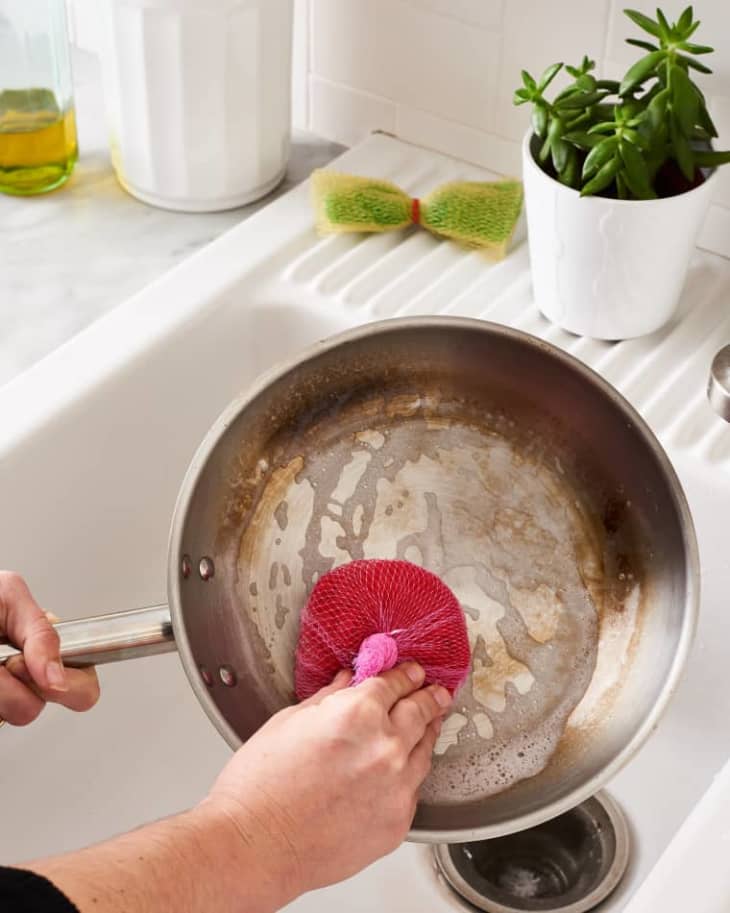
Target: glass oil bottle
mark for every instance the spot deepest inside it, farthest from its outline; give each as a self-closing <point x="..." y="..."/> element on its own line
<point x="37" y="120"/>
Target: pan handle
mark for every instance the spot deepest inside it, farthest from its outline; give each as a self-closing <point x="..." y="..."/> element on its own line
<point x="111" y="638"/>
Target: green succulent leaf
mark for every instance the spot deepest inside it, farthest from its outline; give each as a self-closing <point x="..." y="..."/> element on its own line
<point x="634" y="137"/>
<point x="636" y="173"/>
<point x="641" y="70"/>
<point x="548" y="75"/>
<point x="555" y="130"/>
<point x="561" y="151"/>
<point x="639" y="43"/>
<point x="685" y="101"/>
<point x="706" y="121"/>
<point x="544" y="153"/>
<point x="657" y="108"/>
<point x="695" y="64"/>
<point x="579" y="100"/>
<point x="586" y="83"/>
<point x="685" y="19"/>
<point x="610" y="85"/>
<point x="710" y="158"/>
<point x="570" y="173"/>
<point x="603" y="178"/>
<point x="644" y="22"/>
<point x="682" y="151"/>
<point x="573" y="122"/>
<point x="599" y="155"/>
<point x="518" y="98"/>
<point x="583" y="140"/>
<point x="691" y="30"/>
<point x="623" y="192"/>
<point x="696" y="48"/>
<point x="665" y="29"/>
<point x="539" y="120"/>
<point x="528" y="81"/>
<point x="603" y="127"/>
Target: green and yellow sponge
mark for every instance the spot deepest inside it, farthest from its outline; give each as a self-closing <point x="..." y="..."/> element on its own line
<point x="480" y="215"/>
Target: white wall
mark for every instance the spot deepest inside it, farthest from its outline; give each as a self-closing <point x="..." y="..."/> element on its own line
<point x="441" y="73"/>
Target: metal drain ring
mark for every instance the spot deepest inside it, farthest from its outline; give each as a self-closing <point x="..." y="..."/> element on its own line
<point x="607" y="814"/>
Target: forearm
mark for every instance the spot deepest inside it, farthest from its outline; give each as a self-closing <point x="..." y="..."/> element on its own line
<point x="192" y="863"/>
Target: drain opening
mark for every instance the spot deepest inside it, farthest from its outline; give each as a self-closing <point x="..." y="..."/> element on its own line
<point x="566" y="865"/>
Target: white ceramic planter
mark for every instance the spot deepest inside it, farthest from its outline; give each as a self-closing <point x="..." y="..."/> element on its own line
<point x="608" y="269"/>
<point x="198" y="97"/>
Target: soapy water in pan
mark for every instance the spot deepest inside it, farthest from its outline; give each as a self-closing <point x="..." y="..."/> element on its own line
<point x="489" y="509"/>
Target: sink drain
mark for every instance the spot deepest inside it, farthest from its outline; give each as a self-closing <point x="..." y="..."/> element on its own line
<point x="567" y="865"/>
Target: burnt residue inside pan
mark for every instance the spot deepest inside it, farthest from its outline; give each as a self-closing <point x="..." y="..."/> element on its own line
<point x="539" y="552"/>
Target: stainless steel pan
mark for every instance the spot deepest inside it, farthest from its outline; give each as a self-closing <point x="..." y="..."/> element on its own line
<point x="507" y="467"/>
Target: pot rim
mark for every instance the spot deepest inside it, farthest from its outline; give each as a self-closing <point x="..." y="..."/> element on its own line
<point x="529" y="161"/>
<point x="685" y="637"/>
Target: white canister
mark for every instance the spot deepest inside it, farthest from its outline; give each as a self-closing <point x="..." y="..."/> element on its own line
<point x="198" y="97"/>
<point x="608" y="269"/>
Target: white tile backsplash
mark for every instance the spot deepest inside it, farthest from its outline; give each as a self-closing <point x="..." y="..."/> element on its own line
<point x="441" y="73"/>
<point x="343" y="114"/>
<point x="485" y="149"/>
<point x="719" y="106"/>
<point x="401" y="51"/>
<point x="484" y="13"/>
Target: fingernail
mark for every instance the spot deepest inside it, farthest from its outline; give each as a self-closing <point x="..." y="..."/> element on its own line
<point x="415" y="673"/>
<point x="56" y="675"/>
<point x="443" y="698"/>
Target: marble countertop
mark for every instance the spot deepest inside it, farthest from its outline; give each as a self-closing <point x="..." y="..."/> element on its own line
<point x="69" y="256"/>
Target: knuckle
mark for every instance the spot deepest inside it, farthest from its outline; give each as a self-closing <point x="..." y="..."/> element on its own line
<point x="390" y="758"/>
<point x="11" y="584"/>
<point x="401" y="680"/>
<point x="41" y="633"/>
<point x="414" y="714"/>
<point x="376" y="688"/>
<point x="367" y="708"/>
<point x="351" y="715"/>
<point x="431" y="708"/>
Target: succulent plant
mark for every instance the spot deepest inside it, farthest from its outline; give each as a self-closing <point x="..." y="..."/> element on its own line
<point x="647" y="136"/>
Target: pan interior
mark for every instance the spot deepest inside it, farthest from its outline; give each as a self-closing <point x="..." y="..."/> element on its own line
<point x="480" y="498"/>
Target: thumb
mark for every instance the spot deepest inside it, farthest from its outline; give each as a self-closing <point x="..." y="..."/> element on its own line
<point x="28" y="628"/>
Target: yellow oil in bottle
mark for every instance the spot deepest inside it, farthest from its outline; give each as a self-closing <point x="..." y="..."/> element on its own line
<point x="37" y="141"/>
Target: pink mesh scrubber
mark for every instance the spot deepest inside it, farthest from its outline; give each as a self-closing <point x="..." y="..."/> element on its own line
<point x="369" y="615"/>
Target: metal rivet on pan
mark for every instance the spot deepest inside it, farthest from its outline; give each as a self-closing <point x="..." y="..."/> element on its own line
<point x="206" y="568"/>
<point x="206" y="676"/>
<point x="186" y="566"/>
<point x="228" y="676"/>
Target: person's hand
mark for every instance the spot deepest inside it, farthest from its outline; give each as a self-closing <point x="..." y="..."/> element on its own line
<point x="28" y="681"/>
<point x="328" y="786"/>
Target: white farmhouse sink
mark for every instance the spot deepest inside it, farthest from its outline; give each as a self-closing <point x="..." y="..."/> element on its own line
<point x="96" y="439"/>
